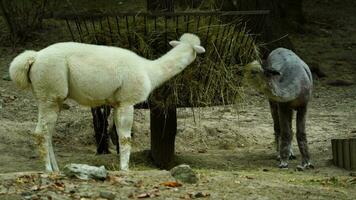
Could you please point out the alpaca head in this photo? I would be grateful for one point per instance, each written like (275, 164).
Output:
(191, 39)
(259, 76)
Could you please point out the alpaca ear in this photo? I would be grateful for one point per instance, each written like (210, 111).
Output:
(199, 49)
(174, 43)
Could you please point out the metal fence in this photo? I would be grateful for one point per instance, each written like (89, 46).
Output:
(226, 35)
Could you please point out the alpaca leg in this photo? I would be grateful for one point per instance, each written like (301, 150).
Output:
(277, 130)
(291, 153)
(47, 117)
(114, 138)
(302, 138)
(285, 118)
(123, 117)
(100, 115)
(52, 156)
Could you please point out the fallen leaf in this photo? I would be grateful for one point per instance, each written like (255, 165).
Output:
(115, 179)
(139, 183)
(59, 186)
(171, 184)
(9, 98)
(35, 188)
(55, 175)
(202, 151)
(153, 193)
(143, 195)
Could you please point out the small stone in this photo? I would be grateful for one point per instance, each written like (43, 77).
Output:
(70, 188)
(6, 77)
(85, 172)
(107, 195)
(3, 189)
(65, 106)
(55, 196)
(184, 173)
(11, 190)
(198, 195)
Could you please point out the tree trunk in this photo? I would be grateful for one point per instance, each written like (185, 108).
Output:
(7, 18)
(163, 120)
(163, 123)
(285, 15)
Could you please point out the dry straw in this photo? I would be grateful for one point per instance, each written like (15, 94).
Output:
(215, 78)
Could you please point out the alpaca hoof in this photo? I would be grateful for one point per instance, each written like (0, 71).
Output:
(125, 170)
(292, 157)
(103, 151)
(305, 166)
(283, 165)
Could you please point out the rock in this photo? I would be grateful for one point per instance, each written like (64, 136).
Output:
(65, 106)
(70, 188)
(195, 195)
(55, 196)
(6, 77)
(107, 195)
(184, 173)
(85, 172)
(3, 189)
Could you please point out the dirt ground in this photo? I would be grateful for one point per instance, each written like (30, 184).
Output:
(231, 148)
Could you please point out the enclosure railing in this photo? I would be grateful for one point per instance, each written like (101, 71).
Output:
(128, 29)
(228, 37)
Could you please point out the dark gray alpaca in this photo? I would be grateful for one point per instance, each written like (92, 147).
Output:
(287, 82)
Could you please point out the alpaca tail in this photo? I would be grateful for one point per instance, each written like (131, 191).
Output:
(20, 68)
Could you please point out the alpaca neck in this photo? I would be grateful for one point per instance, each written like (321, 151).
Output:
(262, 85)
(170, 64)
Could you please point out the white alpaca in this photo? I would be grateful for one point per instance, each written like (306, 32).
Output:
(95, 75)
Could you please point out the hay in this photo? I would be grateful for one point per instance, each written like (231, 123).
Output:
(215, 77)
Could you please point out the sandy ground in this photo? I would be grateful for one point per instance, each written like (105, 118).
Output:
(231, 148)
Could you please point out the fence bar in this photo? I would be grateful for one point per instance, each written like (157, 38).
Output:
(70, 29)
(170, 14)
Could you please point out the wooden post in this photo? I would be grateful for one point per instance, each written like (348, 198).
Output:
(353, 153)
(163, 123)
(334, 150)
(346, 154)
(163, 120)
(340, 156)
